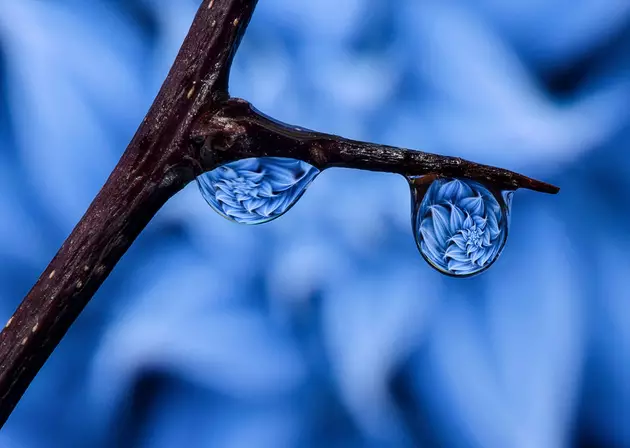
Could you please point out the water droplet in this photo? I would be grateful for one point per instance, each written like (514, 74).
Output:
(460, 226)
(256, 190)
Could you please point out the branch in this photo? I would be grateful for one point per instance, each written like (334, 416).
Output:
(238, 131)
(193, 126)
(154, 167)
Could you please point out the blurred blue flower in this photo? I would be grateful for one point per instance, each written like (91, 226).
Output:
(323, 329)
(256, 190)
(461, 227)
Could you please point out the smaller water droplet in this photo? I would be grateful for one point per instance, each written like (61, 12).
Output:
(459, 225)
(256, 190)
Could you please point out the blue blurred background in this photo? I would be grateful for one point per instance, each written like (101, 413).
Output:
(326, 327)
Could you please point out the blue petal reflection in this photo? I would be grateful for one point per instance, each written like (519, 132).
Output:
(256, 190)
(460, 226)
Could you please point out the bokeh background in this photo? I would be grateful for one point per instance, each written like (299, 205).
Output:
(326, 327)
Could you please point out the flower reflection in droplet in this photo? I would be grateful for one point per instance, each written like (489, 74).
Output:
(460, 226)
(256, 190)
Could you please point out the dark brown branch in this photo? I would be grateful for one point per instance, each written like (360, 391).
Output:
(238, 131)
(153, 168)
(192, 127)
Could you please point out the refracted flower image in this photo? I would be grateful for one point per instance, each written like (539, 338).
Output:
(460, 226)
(256, 190)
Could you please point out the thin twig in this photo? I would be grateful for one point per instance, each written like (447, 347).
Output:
(237, 131)
(192, 127)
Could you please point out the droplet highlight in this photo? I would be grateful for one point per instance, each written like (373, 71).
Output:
(256, 190)
(460, 226)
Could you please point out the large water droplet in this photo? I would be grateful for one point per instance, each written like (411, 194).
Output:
(460, 226)
(256, 190)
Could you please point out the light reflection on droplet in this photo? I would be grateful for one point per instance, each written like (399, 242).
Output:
(460, 226)
(256, 190)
